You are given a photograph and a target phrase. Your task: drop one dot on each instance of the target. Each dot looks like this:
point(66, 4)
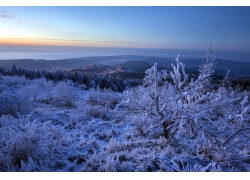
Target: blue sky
point(165, 27)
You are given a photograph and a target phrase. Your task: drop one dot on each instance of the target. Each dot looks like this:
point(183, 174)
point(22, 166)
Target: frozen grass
point(58, 127)
point(62, 139)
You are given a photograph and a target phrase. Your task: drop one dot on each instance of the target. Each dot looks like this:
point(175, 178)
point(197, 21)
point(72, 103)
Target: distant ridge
point(44, 64)
point(222, 66)
point(130, 62)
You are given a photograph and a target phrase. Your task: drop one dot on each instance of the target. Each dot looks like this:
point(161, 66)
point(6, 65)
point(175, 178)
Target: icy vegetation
point(186, 124)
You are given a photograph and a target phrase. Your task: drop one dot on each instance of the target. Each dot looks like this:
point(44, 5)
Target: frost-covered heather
point(182, 125)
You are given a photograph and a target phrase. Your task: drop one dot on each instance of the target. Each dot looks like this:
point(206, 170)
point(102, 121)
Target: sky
point(86, 30)
point(165, 27)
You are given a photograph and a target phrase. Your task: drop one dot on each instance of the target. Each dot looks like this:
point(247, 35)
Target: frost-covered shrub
point(189, 109)
point(3, 87)
point(28, 145)
point(141, 121)
point(47, 91)
point(212, 167)
point(144, 155)
point(13, 102)
point(64, 95)
point(112, 146)
point(95, 112)
point(15, 81)
point(40, 89)
point(103, 98)
point(138, 99)
point(21, 147)
point(93, 97)
point(31, 91)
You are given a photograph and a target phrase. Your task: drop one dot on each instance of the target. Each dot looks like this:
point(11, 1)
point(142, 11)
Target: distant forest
point(116, 81)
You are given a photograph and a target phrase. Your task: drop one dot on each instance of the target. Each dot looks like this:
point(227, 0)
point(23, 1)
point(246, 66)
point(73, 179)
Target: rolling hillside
point(132, 63)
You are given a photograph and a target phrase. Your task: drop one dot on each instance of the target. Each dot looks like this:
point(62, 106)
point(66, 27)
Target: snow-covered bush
point(13, 102)
point(64, 95)
point(95, 112)
point(31, 91)
point(28, 145)
point(47, 90)
point(3, 87)
point(39, 90)
point(15, 81)
point(87, 112)
point(103, 98)
point(188, 108)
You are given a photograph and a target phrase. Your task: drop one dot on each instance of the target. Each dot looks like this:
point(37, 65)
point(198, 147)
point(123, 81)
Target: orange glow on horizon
point(55, 42)
point(41, 42)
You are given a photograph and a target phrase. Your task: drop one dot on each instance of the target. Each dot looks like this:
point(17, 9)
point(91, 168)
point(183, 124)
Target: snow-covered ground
point(179, 126)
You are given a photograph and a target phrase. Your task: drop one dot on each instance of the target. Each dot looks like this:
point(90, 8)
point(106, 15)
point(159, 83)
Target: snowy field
point(182, 125)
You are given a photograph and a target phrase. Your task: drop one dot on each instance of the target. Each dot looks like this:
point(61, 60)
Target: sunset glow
point(54, 42)
point(127, 27)
point(53, 32)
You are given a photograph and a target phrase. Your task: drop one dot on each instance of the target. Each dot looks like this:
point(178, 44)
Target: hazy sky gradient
point(131, 27)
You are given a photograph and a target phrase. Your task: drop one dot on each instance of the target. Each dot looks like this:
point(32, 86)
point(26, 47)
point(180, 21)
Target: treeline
point(117, 82)
point(240, 83)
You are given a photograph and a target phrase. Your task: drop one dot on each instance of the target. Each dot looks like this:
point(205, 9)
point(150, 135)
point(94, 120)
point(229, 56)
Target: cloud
point(6, 15)
point(42, 25)
point(37, 24)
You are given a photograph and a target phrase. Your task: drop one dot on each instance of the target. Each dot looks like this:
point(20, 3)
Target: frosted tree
point(189, 108)
point(177, 78)
point(152, 79)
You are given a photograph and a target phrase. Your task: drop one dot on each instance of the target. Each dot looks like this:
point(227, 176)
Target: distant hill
point(222, 66)
point(45, 64)
point(100, 69)
point(192, 65)
point(131, 63)
point(136, 66)
point(109, 70)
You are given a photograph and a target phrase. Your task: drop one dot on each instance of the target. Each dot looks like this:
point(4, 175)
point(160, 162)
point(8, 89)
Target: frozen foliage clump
point(190, 109)
point(64, 95)
point(32, 91)
point(47, 87)
point(2, 87)
point(28, 145)
point(13, 102)
point(15, 81)
point(207, 69)
point(103, 98)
